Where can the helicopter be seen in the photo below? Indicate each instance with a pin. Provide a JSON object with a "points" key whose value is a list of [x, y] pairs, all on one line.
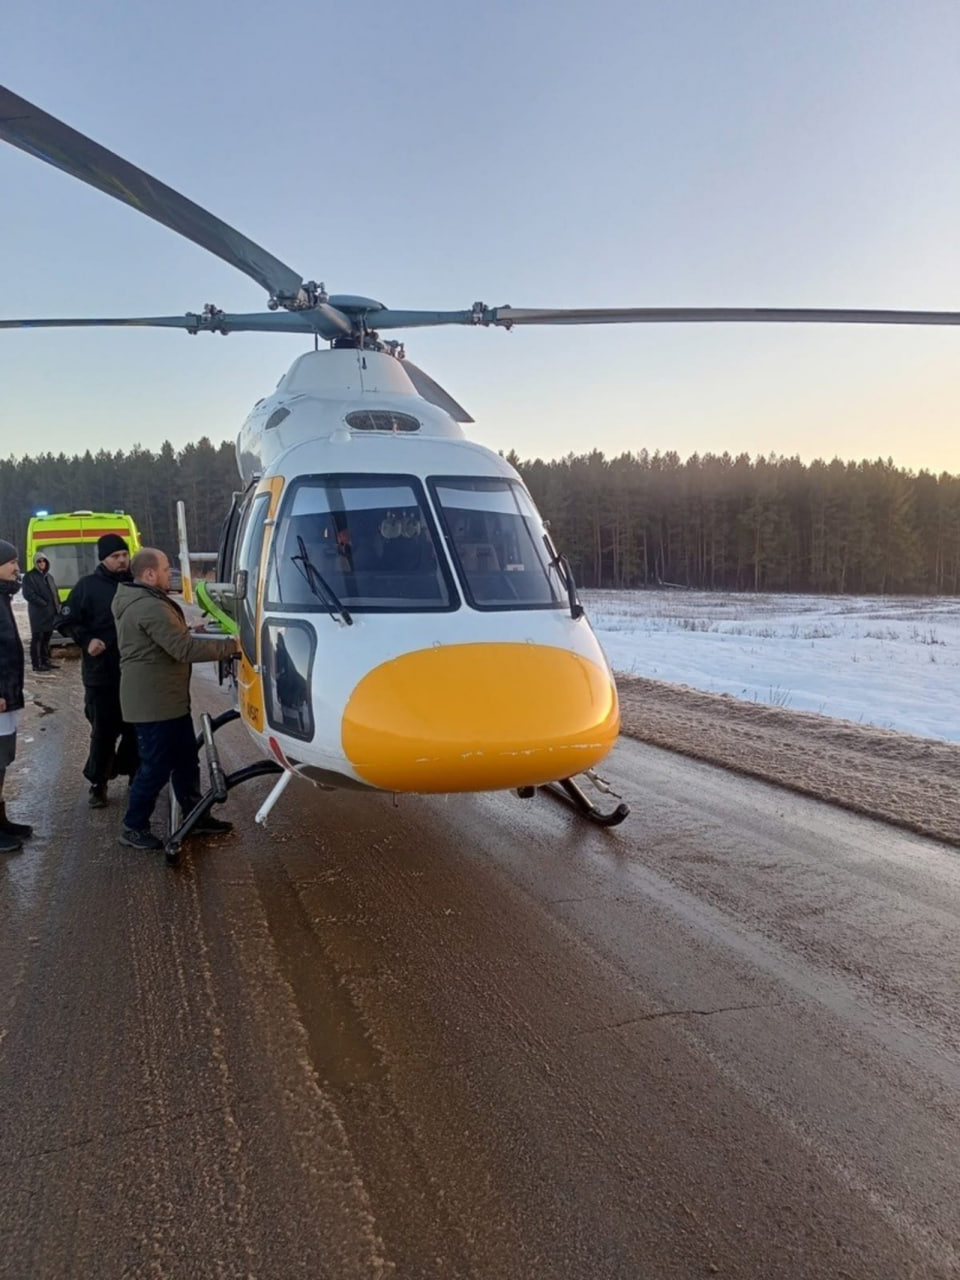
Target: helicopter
{"points": [[406, 622]]}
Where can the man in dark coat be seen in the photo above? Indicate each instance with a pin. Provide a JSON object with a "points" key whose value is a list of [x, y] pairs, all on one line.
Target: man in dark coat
{"points": [[12, 834], [87, 618], [43, 606]]}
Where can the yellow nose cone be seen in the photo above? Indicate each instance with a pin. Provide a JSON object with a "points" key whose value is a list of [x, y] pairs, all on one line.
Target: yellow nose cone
{"points": [[479, 717]]}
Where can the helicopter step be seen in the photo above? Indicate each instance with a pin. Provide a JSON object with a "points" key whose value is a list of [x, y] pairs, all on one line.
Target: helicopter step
{"points": [[221, 783], [571, 794]]}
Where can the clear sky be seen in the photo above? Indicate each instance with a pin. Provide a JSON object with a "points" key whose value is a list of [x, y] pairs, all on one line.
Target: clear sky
{"points": [[583, 153]]}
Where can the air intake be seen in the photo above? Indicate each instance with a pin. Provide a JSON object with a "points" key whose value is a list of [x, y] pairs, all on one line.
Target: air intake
{"points": [[276, 418], [381, 420]]}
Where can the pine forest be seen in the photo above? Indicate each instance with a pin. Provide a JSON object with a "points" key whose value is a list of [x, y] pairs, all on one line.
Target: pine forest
{"points": [[710, 522]]}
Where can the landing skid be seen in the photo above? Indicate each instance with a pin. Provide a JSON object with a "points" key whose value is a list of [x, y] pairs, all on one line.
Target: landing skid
{"points": [[569, 793], [220, 783]]}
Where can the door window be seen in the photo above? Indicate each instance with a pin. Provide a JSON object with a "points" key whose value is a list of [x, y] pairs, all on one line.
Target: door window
{"points": [[248, 565], [287, 650]]}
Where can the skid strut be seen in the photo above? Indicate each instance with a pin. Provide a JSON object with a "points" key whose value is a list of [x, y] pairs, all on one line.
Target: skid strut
{"points": [[221, 783], [566, 790]]}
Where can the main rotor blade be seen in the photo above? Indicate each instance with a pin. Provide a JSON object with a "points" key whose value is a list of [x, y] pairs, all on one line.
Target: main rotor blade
{"points": [[160, 322], [432, 391], [331, 322], [509, 316], [324, 320], [50, 140]]}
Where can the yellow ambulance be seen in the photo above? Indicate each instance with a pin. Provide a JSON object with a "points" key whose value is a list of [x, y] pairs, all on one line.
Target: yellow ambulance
{"points": [[69, 541]]}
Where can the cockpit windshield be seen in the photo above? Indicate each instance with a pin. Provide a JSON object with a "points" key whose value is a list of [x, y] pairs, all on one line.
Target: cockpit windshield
{"points": [[498, 543], [368, 538]]}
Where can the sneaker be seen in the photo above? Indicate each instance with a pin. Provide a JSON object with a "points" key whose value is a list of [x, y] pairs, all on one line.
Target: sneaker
{"points": [[139, 839], [97, 798], [9, 843], [208, 825]]}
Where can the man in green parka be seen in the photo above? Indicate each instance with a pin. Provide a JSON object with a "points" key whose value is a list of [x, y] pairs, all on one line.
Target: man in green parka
{"points": [[156, 653]]}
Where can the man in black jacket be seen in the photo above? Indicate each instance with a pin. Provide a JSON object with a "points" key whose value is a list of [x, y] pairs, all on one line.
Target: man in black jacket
{"points": [[43, 606], [87, 617], [12, 834]]}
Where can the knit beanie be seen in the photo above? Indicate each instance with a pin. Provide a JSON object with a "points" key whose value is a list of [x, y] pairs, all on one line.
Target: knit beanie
{"points": [[8, 551], [108, 544]]}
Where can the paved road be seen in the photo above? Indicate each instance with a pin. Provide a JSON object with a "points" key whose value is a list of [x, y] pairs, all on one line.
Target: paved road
{"points": [[471, 1037]]}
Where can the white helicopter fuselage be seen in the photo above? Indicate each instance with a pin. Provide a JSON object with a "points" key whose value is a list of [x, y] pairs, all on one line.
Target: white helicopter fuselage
{"points": [[405, 623]]}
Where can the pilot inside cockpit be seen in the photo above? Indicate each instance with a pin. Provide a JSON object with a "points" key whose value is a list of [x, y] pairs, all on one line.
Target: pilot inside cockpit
{"points": [[329, 543]]}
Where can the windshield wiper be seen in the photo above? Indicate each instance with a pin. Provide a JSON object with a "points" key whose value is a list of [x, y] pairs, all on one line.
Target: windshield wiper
{"points": [[561, 565], [319, 585]]}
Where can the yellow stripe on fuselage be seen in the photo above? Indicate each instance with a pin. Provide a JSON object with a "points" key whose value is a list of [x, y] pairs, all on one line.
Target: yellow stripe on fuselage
{"points": [[479, 717]]}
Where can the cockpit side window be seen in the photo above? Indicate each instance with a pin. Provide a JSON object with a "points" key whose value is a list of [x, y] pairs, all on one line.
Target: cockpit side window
{"points": [[496, 538], [364, 542]]}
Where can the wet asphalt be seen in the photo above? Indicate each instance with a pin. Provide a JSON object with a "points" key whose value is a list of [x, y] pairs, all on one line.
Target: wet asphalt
{"points": [[473, 1037]]}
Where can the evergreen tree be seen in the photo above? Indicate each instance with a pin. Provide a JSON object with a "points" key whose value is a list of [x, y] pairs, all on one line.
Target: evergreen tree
{"points": [[715, 522]]}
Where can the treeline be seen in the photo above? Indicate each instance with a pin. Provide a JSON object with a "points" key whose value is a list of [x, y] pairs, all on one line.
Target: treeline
{"points": [[764, 524], [144, 484], [769, 524]]}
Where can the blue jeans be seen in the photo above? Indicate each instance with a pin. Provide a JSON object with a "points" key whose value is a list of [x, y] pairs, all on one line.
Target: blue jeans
{"points": [[168, 753]]}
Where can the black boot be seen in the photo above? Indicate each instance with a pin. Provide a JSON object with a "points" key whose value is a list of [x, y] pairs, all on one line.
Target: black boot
{"points": [[21, 830], [9, 844]]}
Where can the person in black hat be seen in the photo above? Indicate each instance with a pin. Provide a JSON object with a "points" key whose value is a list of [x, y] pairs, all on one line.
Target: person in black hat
{"points": [[88, 619], [12, 834]]}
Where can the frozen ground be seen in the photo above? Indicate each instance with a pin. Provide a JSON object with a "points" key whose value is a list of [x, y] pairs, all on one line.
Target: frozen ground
{"points": [[788, 689], [855, 701], [884, 661]]}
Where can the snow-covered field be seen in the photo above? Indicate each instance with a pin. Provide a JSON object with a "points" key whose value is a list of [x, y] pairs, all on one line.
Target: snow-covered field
{"points": [[886, 661]]}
